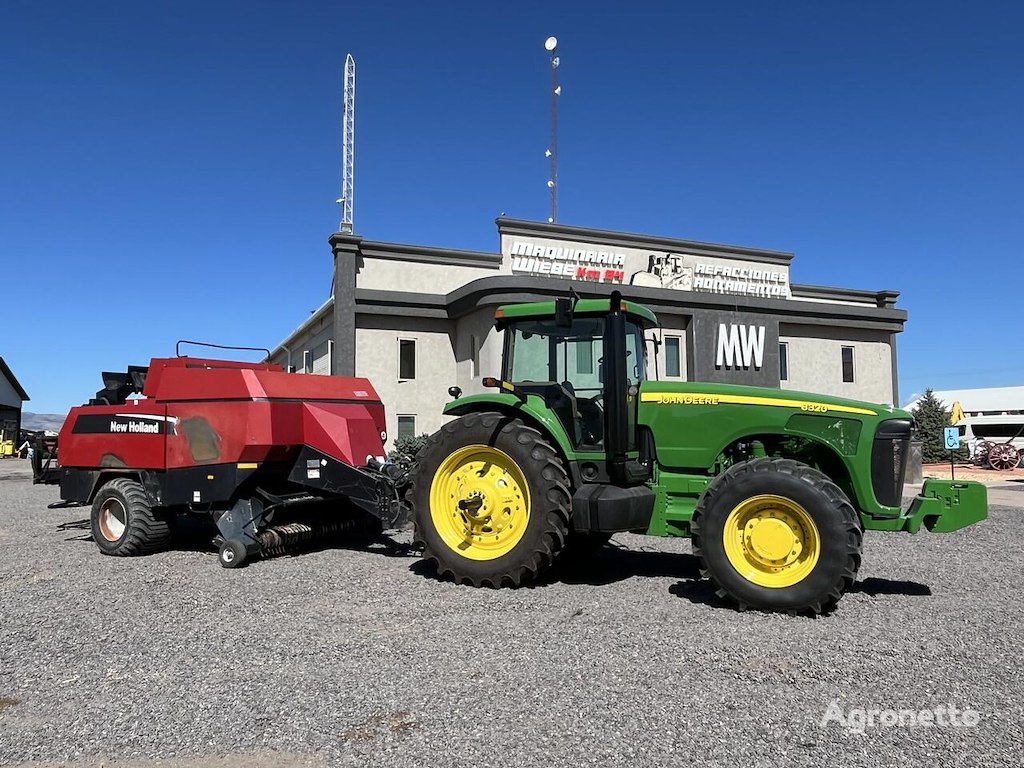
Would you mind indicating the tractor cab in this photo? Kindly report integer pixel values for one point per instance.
(585, 358)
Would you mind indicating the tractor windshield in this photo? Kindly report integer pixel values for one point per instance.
(565, 365)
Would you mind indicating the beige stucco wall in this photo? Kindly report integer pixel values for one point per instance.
(377, 340)
(815, 364)
(415, 277)
(476, 327)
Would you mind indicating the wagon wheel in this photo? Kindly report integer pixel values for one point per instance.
(1003, 457)
(981, 451)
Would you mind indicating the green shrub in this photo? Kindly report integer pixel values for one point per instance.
(406, 448)
(932, 418)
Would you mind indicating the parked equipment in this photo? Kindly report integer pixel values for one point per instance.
(44, 458)
(275, 459)
(775, 488)
(994, 440)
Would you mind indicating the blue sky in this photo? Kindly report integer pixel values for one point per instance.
(170, 168)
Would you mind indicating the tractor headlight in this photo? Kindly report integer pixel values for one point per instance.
(889, 460)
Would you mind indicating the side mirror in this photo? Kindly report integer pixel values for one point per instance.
(563, 313)
(455, 392)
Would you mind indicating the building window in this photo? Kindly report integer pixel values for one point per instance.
(406, 426)
(783, 361)
(848, 364)
(307, 361)
(406, 359)
(585, 356)
(673, 361)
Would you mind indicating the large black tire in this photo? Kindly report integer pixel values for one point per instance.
(839, 534)
(546, 480)
(124, 523)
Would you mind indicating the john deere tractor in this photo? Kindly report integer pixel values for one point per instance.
(774, 488)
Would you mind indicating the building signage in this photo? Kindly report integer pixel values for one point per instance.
(574, 263)
(689, 273)
(740, 346)
(661, 269)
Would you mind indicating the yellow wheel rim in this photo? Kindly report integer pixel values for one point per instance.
(771, 541)
(480, 502)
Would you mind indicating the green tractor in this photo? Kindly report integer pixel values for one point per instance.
(774, 488)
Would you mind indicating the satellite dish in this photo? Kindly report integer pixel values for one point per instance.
(550, 43)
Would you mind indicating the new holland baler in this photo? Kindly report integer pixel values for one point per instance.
(248, 444)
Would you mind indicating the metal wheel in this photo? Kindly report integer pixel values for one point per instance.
(480, 502)
(1003, 456)
(771, 541)
(112, 520)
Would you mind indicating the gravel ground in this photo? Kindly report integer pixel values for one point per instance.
(352, 657)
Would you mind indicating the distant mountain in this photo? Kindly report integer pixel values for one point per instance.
(37, 421)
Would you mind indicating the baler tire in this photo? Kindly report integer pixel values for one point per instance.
(232, 554)
(547, 487)
(141, 532)
(799, 497)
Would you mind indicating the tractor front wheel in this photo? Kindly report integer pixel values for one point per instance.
(491, 501)
(123, 521)
(777, 535)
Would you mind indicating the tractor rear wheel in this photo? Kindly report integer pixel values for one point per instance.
(777, 535)
(491, 501)
(124, 523)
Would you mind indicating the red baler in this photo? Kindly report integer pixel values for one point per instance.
(239, 441)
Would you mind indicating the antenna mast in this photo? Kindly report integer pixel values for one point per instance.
(348, 146)
(552, 152)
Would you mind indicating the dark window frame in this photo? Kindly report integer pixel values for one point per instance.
(783, 361)
(677, 359)
(403, 363)
(405, 417)
(849, 366)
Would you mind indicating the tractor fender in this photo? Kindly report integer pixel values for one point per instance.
(537, 416)
(841, 471)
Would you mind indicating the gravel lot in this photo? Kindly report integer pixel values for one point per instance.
(353, 657)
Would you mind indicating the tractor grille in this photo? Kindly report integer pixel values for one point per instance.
(889, 460)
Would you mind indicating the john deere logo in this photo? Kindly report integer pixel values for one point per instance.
(740, 346)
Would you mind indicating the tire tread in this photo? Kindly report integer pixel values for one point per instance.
(838, 503)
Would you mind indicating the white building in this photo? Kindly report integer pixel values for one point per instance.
(985, 401)
(416, 320)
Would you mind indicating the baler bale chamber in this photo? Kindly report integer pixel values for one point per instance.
(277, 460)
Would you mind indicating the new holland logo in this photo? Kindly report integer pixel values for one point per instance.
(740, 346)
(125, 423)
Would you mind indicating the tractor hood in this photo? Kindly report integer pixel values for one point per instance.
(690, 393)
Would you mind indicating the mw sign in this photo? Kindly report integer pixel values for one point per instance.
(740, 346)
